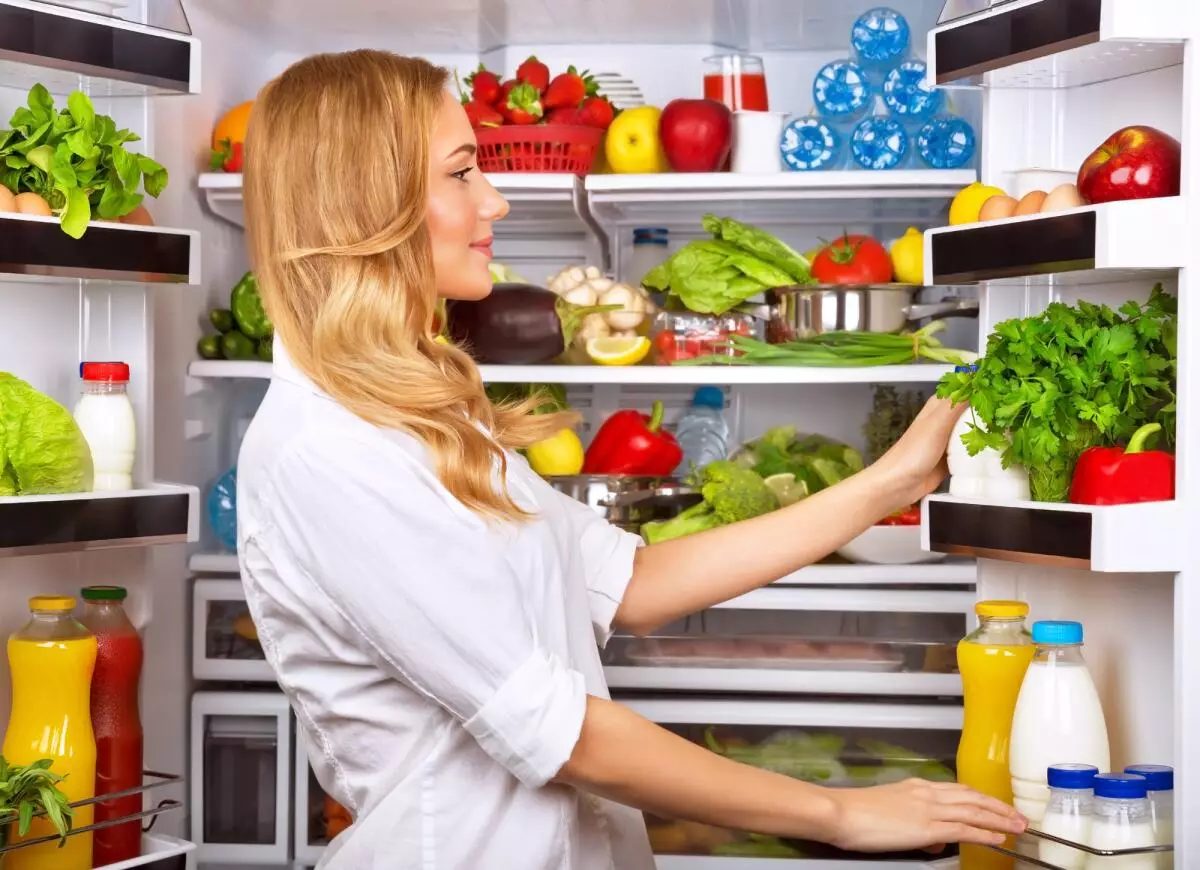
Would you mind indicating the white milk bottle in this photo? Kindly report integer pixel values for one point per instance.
(1058, 718)
(1121, 820)
(1160, 791)
(106, 419)
(1068, 814)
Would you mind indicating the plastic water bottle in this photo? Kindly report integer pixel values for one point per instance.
(222, 509)
(907, 94)
(702, 431)
(841, 92)
(810, 143)
(879, 142)
(946, 142)
(881, 38)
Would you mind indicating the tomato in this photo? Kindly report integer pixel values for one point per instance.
(910, 516)
(853, 260)
(665, 350)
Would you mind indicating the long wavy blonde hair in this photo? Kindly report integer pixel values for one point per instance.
(336, 185)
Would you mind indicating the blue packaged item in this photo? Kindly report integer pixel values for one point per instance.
(879, 143)
(222, 509)
(880, 38)
(908, 96)
(946, 142)
(841, 92)
(810, 143)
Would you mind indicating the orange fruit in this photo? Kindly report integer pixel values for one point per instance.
(232, 125)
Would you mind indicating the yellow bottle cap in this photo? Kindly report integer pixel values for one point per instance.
(1002, 609)
(48, 603)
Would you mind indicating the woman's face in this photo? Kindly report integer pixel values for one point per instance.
(463, 205)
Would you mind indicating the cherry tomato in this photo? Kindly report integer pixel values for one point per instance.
(666, 348)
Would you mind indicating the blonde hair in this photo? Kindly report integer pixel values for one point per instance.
(336, 184)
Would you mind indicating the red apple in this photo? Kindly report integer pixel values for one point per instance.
(696, 135)
(1132, 163)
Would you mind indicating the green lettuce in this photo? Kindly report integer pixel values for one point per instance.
(42, 450)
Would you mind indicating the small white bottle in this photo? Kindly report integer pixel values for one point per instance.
(105, 416)
(982, 476)
(1121, 820)
(1160, 791)
(1068, 814)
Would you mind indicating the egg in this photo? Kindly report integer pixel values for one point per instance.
(8, 202)
(997, 207)
(31, 203)
(1062, 197)
(1031, 203)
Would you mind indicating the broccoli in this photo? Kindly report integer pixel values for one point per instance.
(730, 493)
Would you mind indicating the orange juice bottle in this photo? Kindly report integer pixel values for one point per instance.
(992, 661)
(51, 660)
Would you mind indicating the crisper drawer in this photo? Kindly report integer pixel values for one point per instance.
(319, 818)
(804, 640)
(224, 640)
(836, 744)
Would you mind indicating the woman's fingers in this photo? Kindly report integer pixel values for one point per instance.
(978, 818)
(955, 794)
(956, 832)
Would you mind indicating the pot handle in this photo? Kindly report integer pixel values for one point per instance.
(947, 308)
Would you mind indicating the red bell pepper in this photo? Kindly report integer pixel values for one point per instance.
(1116, 475)
(910, 516)
(631, 442)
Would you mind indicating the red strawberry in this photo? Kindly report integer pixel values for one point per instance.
(227, 158)
(568, 89)
(523, 105)
(596, 112)
(502, 101)
(565, 116)
(482, 115)
(534, 72)
(484, 85)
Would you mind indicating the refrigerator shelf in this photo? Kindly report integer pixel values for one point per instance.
(1088, 244)
(1131, 538)
(952, 572)
(68, 49)
(34, 247)
(1029, 861)
(213, 563)
(161, 513)
(730, 862)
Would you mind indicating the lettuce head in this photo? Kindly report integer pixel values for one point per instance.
(42, 450)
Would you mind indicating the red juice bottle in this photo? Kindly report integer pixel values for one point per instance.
(116, 722)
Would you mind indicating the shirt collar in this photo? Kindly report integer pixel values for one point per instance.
(283, 368)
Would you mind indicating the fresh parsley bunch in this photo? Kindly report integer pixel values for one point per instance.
(1070, 378)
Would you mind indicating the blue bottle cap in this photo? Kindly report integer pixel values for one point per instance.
(1055, 633)
(1125, 786)
(1074, 776)
(967, 369)
(709, 397)
(1158, 777)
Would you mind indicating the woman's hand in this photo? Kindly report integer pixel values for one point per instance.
(917, 462)
(916, 814)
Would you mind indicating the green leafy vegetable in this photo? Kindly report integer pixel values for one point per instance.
(731, 494)
(814, 461)
(1072, 377)
(42, 450)
(763, 245)
(28, 790)
(553, 396)
(892, 412)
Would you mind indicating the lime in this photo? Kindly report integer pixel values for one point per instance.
(266, 350)
(222, 319)
(786, 488)
(235, 345)
(209, 347)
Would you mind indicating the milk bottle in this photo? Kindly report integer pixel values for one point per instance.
(1121, 820)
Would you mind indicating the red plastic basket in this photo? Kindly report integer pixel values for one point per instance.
(548, 148)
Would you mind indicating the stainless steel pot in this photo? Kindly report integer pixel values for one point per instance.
(627, 501)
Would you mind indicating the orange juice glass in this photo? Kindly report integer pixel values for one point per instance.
(51, 660)
(992, 661)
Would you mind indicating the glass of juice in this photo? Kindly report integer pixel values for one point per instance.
(737, 80)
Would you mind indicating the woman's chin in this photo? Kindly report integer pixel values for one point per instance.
(469, 289)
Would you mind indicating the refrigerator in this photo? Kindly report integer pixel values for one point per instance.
(855, 655)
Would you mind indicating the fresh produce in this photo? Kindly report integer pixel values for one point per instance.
(696, 135)
(561, 453)
(626, 308)
(1070, 378)
(843, 349)
(618, 350)
(684, 335)
(909, 516)
(42, 450)
(908, 257)
(965, 207)
(74, 160)
(633, 145)
(229, 139)
(1133, 163)
(853, 259)
(244, 330)
(596, 112)
(1116, 475)
(568, 90)
(1063, 197)
(337, 817)
(247, 308)
(1030, 203)
(892, 412)
(739, 262)
(534, 73)
(517, 324)
(485, 86)
(811, 462)
(731, 493)
(630, 442)
(533, 97)
(27, 790)
(524, 105)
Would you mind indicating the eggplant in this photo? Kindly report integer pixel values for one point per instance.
(517, 324)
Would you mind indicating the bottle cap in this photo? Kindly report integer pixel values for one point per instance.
(1055, 633)
(1124, 786)
(1002, 609)
(709, 397)
(1158, 777)
(51, 603)
(967, 369)
(1074, 776)
(103, 593)
(106, 372)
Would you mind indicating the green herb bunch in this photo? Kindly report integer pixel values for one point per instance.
(1073, 377)
(26, 790)
(76, 160)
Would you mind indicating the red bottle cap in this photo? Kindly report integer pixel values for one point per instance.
(106, 372)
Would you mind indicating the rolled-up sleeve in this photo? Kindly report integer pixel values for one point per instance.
(421, 581)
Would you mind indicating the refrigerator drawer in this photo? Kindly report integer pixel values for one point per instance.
(319, 818)
(224, 640)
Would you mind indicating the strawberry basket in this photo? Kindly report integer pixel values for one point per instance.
(542, 148)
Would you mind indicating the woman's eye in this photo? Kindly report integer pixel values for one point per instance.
(462, 174)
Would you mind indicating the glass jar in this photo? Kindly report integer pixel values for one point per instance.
(680, 335)
(737, 80)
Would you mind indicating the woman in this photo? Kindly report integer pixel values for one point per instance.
(430, 606)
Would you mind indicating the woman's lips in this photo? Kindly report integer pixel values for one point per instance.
(484, 246)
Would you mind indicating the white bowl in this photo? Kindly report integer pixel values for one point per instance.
(889, 545)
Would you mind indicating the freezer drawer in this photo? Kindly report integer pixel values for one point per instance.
(224, 640)
(836, 744)
(319, 818)
(804, 640)
(241, 777)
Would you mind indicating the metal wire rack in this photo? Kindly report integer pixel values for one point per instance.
(1100, 853)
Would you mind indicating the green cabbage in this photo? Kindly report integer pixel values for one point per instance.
(42, 450)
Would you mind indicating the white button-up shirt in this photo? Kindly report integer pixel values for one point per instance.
(437, 665)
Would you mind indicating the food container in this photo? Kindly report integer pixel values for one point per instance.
(678, 335)
(756, 138)
(549, 148)
(627, 500)
(737, 80)
(1028, 180)
(889, 545)
(807, 310)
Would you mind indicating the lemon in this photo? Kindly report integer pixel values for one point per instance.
(561, 453)
(908, 257)
(966, 205)
(786, 488)
(618, 350)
